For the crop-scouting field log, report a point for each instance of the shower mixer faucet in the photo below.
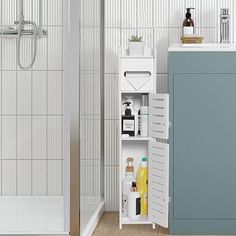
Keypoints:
(19, 30)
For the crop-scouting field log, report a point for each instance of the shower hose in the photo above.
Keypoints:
(19, 39)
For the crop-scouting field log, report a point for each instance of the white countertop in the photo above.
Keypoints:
(205, 47)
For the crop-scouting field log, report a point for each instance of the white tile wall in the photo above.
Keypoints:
(55, 52)
(112, 39)
(39, 177)
(160, 15)
(9, 177)
(31, 105)
(90, 93)
(24, 137)
(111, 150)
(90, 137)
(147, 35)
(86, 49)
(9, 92)
(39, 92)
(39, 139)
(45, 11)
(209, 18)
(161, 44)
(24, 177)
(111, 187)
(8, 54)
(128, 13)
(160, 24)
(55, 177)
(111, 97)
(144, 13)
(55, 92)
(8, 137)
(112, 9)
(24, 94)
(55, 140)
(27, 8)
(55, 17)
(41, 61)
(8, 11)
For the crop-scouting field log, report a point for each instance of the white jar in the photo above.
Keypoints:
(134, 205)
(126, 189)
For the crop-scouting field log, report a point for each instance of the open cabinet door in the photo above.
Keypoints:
(159, 115)
(158, 193)
(158, 159)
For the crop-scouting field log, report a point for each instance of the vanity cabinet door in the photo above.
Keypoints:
(204, 146)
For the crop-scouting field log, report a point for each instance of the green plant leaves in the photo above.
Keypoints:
(135, 38)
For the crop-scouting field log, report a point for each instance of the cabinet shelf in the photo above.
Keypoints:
(139, 220)
(136, 138)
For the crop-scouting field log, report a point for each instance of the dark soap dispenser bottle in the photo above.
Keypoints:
(188, 24)
(128, 121)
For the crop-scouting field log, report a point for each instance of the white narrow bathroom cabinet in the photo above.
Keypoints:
(137, 77)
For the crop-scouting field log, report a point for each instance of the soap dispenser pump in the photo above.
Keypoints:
(188, 24)
(128, 121)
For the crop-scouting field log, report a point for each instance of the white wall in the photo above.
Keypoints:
(159, 22)
(31, 106)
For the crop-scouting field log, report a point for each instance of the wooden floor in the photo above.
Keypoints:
(108, 226)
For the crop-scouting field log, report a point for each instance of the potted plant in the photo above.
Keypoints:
(136, 47)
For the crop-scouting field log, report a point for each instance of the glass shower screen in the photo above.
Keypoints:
(91, 115)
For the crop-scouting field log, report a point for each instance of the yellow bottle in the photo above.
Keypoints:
(142, 185)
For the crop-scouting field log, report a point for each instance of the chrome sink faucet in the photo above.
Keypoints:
(224, 25)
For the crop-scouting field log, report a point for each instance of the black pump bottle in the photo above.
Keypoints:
(128, 121)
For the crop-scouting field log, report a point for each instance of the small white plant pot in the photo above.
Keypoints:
(136, 48)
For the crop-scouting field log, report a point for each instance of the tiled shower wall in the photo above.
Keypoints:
(159, 22)
(31, 106)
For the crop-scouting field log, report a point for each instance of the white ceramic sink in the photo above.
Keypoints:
(203, 47)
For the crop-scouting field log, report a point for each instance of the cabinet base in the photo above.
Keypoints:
(139, 220)
(142, 220)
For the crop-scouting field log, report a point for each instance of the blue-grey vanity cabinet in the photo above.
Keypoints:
(202, 87)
